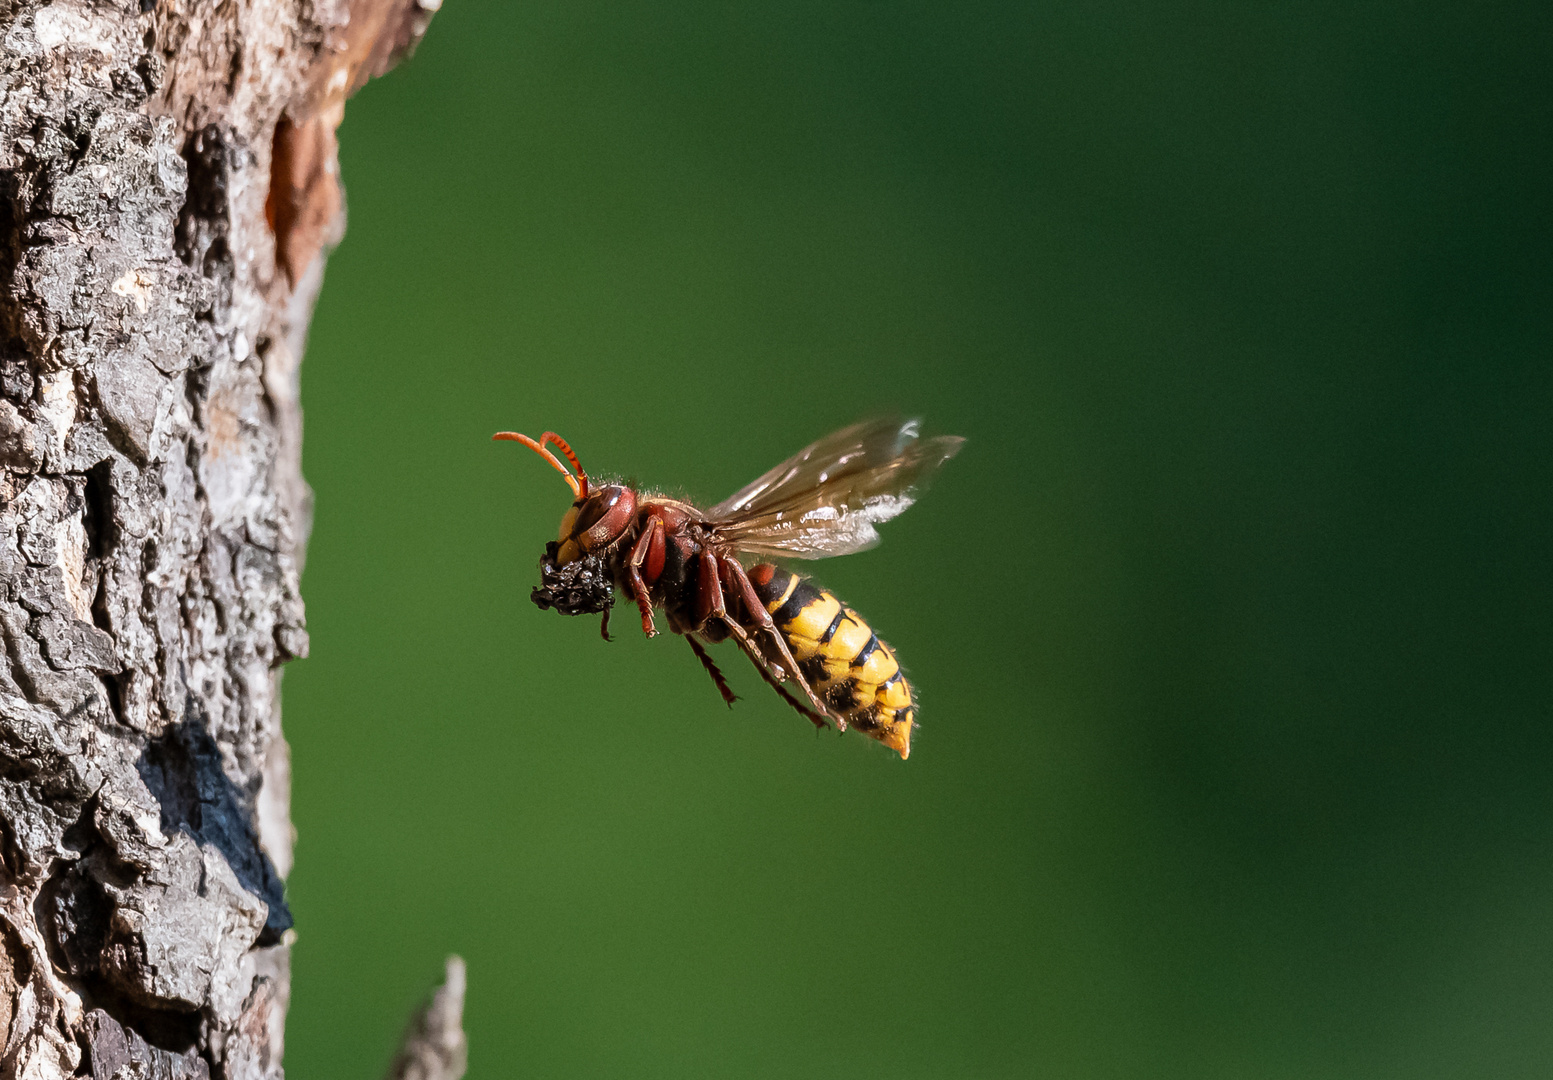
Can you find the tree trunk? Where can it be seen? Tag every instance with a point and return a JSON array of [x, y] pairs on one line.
[[167, 195]]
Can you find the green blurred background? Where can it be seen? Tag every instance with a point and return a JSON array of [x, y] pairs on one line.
[[1231, 622]]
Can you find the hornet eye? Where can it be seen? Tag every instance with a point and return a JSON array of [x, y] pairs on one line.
[[589, 513], [605, 517]]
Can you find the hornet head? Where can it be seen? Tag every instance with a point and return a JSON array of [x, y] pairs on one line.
[[575, 579]]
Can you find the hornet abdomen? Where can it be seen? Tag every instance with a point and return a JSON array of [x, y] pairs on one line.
[[852, 671]]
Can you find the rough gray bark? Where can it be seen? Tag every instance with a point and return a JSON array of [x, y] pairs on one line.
[[167, 191], [434, 1044]]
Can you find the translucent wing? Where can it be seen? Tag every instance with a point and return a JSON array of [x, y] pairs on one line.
[[826, 499]]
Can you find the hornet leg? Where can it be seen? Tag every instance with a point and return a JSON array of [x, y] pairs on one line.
[[711, 669], [712, 602], [813, 717], [739, 583], [634, 573]]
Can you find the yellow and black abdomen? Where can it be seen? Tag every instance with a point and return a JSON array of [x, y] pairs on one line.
[[851, 670]]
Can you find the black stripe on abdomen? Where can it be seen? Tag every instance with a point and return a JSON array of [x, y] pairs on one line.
[[801, 598], [835, 624], [869, 648]]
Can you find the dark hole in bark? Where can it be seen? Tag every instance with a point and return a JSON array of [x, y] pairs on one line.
[[78, 129], [12, 214], [234, 71], [10, 853], [200, 237], [217, 258], [183, 771], [97, 518], [196, 388], [113, 685], [16, 956], [74, 910], [205, 203]]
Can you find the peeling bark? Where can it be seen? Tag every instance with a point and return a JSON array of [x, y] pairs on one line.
[[168, 192]]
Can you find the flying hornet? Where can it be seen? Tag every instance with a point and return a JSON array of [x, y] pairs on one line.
[[669, 555]]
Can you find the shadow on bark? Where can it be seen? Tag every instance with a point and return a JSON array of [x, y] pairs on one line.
[[183, 770]]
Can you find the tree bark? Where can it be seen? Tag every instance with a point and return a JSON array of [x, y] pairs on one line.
[[168, 193], [434, 1046]]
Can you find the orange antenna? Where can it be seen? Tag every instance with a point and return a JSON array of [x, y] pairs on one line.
[[578, 483]]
